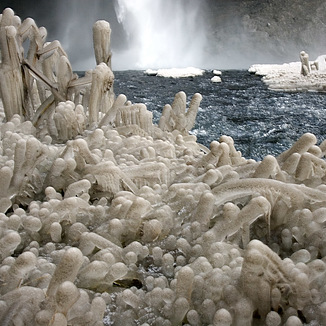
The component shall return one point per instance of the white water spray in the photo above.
(162, 33)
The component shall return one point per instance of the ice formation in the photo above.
(303, 75)
(176, 72)
(109, 219)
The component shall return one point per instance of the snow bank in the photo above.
(267, 69)
(288, 77)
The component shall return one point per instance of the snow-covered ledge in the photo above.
(288, 76)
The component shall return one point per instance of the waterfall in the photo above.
(162, 33)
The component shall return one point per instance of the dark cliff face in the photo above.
(276, 30)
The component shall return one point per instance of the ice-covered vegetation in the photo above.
(107, 218)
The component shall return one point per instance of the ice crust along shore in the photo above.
(109, 219)
(287, 77)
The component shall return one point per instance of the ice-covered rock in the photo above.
(216, 79)
(217, 72)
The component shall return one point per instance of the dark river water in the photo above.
(260, 121)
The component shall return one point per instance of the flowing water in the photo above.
(162, 33)
(259, 120)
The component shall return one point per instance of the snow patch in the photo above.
(176, 72)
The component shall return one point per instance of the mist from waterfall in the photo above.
(162, 34)
(209, 34)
